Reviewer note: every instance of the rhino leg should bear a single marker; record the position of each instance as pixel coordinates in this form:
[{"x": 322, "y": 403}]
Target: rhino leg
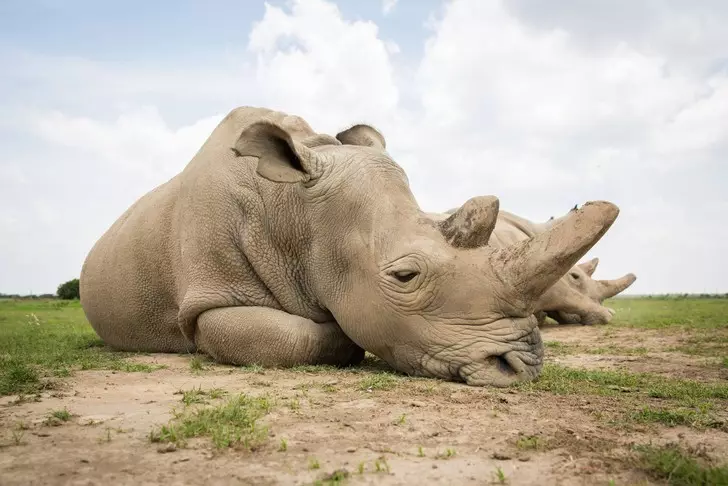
[{"x": 270, "y": 337}]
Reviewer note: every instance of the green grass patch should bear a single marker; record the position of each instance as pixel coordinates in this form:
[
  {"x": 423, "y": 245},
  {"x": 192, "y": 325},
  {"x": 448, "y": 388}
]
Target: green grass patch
[
  {"x": 233, "y": 423},
  {"x": 679, "y": 468},
  {"x": 45, "y": 339},
  {"x": 563, "y": 380},
  {"x": 692, "y": 417},
  {"x": 709, "y": 344},
  {"x": 382, "y": 381},
  {"x": 530, "y": 443},
  {"x": 660, "y": 313},
  {"x": 198, "y": 395},
  {"x": 315, "y": 369},
  {"x": 62, "y": 415},
  {"x": 559, "y": 348},
  {"x": 683, "y": 402}
]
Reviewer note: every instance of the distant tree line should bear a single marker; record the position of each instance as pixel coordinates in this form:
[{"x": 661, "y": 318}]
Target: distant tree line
[
  {"x": 69, "y": 290},
  {"x": 66, "y": 291},
  {"x": 673, "y": 296}
]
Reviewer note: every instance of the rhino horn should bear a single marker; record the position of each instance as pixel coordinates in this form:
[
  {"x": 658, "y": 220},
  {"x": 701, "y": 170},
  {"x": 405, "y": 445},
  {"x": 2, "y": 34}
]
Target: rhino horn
[
  {"x": 471, "y": 225},
  {"x": 532, "y": 266},
  {"x": 364, "y": 135},
  {"x": 590, "y": 266},
  {"x": 610, "y": 288}
]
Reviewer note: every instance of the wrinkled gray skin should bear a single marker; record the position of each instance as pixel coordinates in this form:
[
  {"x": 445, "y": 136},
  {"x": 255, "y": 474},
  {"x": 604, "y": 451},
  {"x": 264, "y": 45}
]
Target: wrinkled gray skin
[
  {"x": 279, "y": 246},
  {"x": 576, "y": 297}
]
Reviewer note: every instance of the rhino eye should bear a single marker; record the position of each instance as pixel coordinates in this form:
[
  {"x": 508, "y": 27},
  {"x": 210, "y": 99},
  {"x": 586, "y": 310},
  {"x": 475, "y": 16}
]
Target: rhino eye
[
  {"x": 575, "y": 276},
  {"x": 405, "y": 275}
]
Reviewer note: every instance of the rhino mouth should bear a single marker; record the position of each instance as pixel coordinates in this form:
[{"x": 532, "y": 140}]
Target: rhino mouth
[
  {"x": 501, "y": 364},
  {"x": 508, "y": 368}
]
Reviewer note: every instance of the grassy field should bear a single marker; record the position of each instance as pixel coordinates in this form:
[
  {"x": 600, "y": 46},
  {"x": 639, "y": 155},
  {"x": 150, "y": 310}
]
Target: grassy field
[
  {"x": 44, "y": 341},
  {"x": 660, "y": 366}
]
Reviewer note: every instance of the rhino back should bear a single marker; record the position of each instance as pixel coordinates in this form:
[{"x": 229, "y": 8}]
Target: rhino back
[
  {"x": 128, "y": 278},
  {"x": 216, "y": 235}
]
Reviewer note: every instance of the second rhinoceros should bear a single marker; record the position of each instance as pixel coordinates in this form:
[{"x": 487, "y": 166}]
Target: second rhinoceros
[
  {"x": 280, "y": 246},
  {"x": 574, "y": 298}
]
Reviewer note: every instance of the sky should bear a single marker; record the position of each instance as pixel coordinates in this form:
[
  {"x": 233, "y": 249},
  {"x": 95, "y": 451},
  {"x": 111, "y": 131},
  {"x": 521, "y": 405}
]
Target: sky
[{"x": 542, "y": 104}]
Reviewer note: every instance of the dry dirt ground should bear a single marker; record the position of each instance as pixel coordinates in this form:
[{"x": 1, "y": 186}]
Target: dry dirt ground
[{"x": 391, "y": 431}]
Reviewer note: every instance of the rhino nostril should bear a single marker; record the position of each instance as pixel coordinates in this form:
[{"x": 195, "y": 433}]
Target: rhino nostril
[{"x": 501, "y": 364}]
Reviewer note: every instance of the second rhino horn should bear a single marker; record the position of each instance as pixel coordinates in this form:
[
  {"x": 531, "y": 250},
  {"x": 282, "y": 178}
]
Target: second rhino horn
[
  {"x": 532, "y": 266},
  {"x": 472, "y": 224}
]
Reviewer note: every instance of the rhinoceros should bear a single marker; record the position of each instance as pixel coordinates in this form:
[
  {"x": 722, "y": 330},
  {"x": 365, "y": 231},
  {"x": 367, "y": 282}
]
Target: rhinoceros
[
  {"x": 576, "y": 297},
  {"x": 280, "y": 246}
]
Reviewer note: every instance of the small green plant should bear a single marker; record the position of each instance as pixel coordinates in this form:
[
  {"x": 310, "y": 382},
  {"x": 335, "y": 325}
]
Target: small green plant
[
  {"x": 62, "y": 415},
  {"x": 500, "y": 476},
  {"x": 337, "y": 477},
  {"x": 196, "y": 364},
  {"x": 314, "y": 464},
  {"x": 19, "y": 433},
  {"x": 294, "y": 404},
  {"x": 361, "y": 468},
  {"x": 402, "y": 419},
  {"x": 449, "y": 452},
  {"x": 529, "y": 442},
  {"x": 420, "y": 451},
  {"x": 284, "y": 445},
  {"x": 381, "y": 465}
]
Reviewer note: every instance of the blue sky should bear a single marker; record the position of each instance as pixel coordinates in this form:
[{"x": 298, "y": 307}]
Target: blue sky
[{"x": 543, "y": 107}]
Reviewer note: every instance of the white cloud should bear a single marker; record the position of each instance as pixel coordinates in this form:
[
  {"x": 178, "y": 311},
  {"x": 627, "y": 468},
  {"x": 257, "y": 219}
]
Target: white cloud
[
  {"x": 504, "y": 101},
  {"x": 314, "y": 63},
  {"x": 388, "y": 6}
]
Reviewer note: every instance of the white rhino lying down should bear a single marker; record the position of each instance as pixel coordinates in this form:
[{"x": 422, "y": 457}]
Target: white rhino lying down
[
  {"x": 576, "y": 297},
  {"x": 280, "y": 246},
  {"x": 580, "y": 278}
]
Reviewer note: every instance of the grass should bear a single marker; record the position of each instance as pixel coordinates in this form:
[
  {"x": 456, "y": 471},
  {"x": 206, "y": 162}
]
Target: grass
[
  {"x": 233, "y": 423},
  {"x": 314, "y": 464},
  {"x": 712, "y": 344},
  {"x": 530, "y": 442},
  {"x": 559, "y": 348},
  {"x": 563, "y": 380},
  {"x": 381, "y": 381},
  {"x": 62, "y": 415},
  {"x": 677, "y": 467},
  {"x": 500, "y": 476},
  {"x": 661, "y": 313},
  {"x": 673, "y": 417},
  {"x": 44, "y": 340},
  {"x": 682, "y": 402},
  {"x": 198, "y": 395}
]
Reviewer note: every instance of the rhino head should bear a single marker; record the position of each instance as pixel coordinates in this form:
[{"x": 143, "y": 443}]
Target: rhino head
[
  {"x": 430, "y": 298},
  {"x": 581, "y": 297}
]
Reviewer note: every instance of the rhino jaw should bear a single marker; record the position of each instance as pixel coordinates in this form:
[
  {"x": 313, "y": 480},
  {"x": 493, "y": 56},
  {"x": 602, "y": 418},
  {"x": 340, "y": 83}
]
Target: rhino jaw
[{"x": 508, "y": 368}]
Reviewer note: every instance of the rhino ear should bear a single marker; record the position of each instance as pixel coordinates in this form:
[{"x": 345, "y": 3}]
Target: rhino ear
[
  {"x": 280, "y": 158},
  {"x": 363, "y": 135},
  {"x": 472, "y": 224},
  {"x": 590, "y": 266}
]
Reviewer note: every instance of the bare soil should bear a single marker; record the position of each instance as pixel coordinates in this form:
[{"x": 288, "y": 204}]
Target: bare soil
[{"x": 341, "y": 426}]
